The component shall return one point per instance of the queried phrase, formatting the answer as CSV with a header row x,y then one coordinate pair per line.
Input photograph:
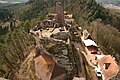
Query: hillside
x,y
84,12
89,10
103,25
14,48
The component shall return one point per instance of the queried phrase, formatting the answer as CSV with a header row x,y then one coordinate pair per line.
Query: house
x,y
68,18
91,46
108,66
85,35
67,15
91,49
47,69
89,42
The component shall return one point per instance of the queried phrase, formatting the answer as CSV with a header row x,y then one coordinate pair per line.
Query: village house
x,y
67,15
68,18
47,69
91,46
85,35
107,65
91,49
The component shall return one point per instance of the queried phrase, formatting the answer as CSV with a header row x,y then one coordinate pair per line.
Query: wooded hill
x,y
102,24
87,9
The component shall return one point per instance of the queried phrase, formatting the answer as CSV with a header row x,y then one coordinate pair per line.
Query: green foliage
x,y
26,25
32,9
2,72
107,37
4,14
13,50
13,44
3,30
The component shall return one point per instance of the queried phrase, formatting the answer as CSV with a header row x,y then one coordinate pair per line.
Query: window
x,y
106,65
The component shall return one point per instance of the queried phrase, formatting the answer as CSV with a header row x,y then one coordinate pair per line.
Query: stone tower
x,y
60,14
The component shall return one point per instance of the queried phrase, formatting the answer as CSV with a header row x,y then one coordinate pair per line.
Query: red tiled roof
x,y
48,58
56,72
112,69
46,67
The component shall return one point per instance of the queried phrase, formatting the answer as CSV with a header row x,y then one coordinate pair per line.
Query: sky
x,y
12,1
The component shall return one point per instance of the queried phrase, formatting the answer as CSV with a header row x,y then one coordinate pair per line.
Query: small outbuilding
x,y
108,66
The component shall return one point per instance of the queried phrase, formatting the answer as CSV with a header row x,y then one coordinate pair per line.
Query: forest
x,y
15,41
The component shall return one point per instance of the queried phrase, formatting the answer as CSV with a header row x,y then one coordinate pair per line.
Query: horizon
x,y
12,2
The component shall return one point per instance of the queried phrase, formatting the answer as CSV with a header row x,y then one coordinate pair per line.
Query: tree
x,y
26,25
4,14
